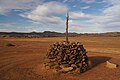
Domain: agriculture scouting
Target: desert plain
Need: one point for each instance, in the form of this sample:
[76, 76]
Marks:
[25, 60]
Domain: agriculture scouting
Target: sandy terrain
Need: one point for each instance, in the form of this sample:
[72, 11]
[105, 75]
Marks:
[25, 60]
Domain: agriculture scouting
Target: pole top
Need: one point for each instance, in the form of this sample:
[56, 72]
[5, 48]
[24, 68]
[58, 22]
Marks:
[68, 14]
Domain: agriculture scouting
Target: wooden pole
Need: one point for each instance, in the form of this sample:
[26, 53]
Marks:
[67, 18]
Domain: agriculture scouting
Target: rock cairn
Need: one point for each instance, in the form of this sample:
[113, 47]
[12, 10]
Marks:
[67, 57]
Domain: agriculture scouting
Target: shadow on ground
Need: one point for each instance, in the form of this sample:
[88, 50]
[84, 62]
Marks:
[96, 60]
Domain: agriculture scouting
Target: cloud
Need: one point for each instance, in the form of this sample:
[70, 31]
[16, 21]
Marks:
[78, 26]
[88, 1]
[47, 13]
[86, 7]
[3, 11]
[107, 20]
[64, 1]
[110, 14]
[13, 27]
[112, 2]
[49, 16]
[113, 10]
[8, 5]
[79, 15]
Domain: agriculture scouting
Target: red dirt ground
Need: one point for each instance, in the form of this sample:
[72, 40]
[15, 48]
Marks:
[25, 60]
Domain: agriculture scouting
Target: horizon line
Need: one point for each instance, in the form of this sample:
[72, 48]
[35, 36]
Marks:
[58, 32]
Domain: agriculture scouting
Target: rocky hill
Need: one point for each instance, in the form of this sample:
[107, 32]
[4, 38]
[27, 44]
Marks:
[54, 34]
[35, 34]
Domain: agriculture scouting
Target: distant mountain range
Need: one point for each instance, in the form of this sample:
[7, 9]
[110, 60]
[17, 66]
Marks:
[54, 34]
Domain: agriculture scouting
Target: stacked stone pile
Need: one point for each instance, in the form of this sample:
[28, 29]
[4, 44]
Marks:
[67, 57]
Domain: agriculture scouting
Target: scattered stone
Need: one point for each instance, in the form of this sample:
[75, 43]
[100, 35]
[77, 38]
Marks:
[110, 65]
[47, 67]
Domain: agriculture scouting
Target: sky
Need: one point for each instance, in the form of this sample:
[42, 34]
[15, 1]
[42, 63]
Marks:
[85, 16]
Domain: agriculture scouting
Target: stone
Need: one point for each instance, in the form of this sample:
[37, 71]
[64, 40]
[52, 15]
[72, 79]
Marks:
[77, 70]
[110, 65]
[64, 70]
[47, 67]
[73, 65]
[57, 67]
[64, 65]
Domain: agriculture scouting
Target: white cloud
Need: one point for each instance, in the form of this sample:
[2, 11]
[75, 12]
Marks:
[46, 13]
[68, 1]
[77, 26]
[8, 5]
[88, 1]
[112, 1]
[113, 10]
[51, 14]
[65, 1]
[13, 27]
[108, 20]
[109, 15]
[86, 7]
[79, 15]
[3, 11]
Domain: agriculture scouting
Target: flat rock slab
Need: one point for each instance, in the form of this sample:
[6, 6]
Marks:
[111, 65]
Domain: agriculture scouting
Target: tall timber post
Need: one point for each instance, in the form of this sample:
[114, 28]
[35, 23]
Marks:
[67, 18]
